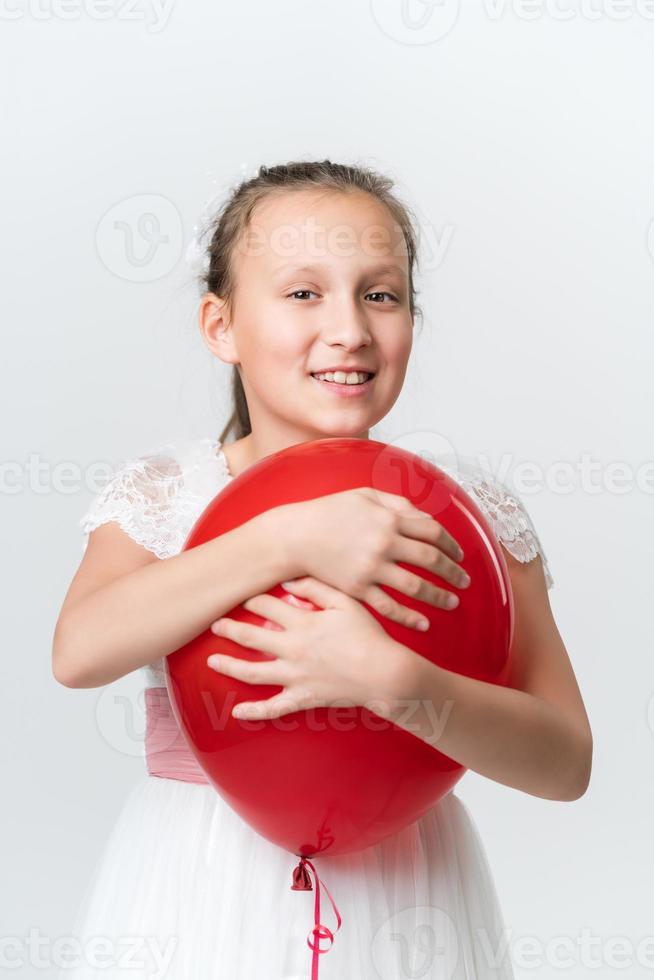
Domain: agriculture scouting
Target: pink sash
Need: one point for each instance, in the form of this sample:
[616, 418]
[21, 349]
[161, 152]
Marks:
[166, 751]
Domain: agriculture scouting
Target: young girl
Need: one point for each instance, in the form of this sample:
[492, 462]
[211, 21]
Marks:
[185, 889]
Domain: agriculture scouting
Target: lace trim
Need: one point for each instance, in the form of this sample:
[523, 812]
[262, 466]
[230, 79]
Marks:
[156, 498]
[504, 510]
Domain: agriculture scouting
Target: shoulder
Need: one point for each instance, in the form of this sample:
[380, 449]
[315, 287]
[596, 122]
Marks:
[140, 478]
[154, 495]
[504, 509]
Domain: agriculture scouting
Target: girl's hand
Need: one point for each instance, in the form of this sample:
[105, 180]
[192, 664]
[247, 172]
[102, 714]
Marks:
[353, 539]
[331, 655]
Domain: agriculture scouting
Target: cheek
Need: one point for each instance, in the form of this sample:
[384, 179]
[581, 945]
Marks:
[277, 362]
[271, 341]
[396, 344]
[282, 352]
[396, 351]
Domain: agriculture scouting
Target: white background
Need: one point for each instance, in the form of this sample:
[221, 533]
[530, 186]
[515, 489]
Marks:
[523, 138]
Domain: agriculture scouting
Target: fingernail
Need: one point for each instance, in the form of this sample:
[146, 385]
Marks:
[286, 585]
[422, 625]
[452, 601]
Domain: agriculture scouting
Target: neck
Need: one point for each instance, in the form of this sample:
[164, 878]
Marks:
[251, 448]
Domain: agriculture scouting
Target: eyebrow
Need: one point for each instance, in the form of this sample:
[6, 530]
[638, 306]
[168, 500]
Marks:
[382, 268]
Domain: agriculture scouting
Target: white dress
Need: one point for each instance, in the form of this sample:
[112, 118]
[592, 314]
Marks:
[185, 889]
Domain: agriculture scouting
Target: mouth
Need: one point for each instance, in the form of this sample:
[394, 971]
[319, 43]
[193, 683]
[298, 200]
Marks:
[345, 390]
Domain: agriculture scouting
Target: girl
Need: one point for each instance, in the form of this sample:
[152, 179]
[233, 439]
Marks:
[185, 888]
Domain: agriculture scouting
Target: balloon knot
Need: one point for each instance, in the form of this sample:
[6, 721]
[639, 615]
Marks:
[301, 878]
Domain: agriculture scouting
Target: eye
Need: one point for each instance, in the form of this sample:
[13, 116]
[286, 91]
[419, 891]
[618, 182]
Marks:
[297, 292]
[384, 294]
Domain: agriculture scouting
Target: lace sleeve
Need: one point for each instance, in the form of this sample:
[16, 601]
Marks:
[512, 524]
[506, 513]
[139, 497]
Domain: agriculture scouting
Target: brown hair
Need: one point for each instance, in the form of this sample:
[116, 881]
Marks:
[233, 218]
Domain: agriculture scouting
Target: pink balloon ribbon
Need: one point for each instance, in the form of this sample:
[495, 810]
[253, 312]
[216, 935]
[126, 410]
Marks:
[302, 883]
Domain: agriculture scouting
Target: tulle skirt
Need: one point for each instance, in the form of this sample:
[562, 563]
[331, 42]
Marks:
[184, 889]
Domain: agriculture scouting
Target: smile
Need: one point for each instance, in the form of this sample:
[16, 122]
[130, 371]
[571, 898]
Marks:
[345, 390]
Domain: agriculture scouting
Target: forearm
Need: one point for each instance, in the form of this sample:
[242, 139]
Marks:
[505, 734]
[151, 612]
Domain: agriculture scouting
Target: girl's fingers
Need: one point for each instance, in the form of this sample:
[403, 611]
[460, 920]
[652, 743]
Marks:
[275, 707]
[394, 501]
[385, 605]
[320, 593]
[417, 587]
[250, 672]
[434, 533]
[428, 556]
[430, 530]
[273, 608]
[248, 635]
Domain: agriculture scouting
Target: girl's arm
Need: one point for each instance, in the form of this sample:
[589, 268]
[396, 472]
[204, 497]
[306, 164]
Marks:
[126, 608]
[534, 735]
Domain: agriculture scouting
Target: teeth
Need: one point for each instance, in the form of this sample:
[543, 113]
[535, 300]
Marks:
[341, 378]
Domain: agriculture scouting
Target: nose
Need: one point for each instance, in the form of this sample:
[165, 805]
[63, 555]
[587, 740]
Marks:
[348, 326]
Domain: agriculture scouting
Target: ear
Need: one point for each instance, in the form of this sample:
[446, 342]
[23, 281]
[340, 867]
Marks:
[216, 328]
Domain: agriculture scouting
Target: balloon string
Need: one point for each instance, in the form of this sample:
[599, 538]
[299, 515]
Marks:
[302, 882]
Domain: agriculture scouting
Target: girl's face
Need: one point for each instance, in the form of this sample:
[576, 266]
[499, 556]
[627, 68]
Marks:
[321, 281]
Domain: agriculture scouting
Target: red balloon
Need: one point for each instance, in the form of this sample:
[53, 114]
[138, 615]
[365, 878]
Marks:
[335, 779]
